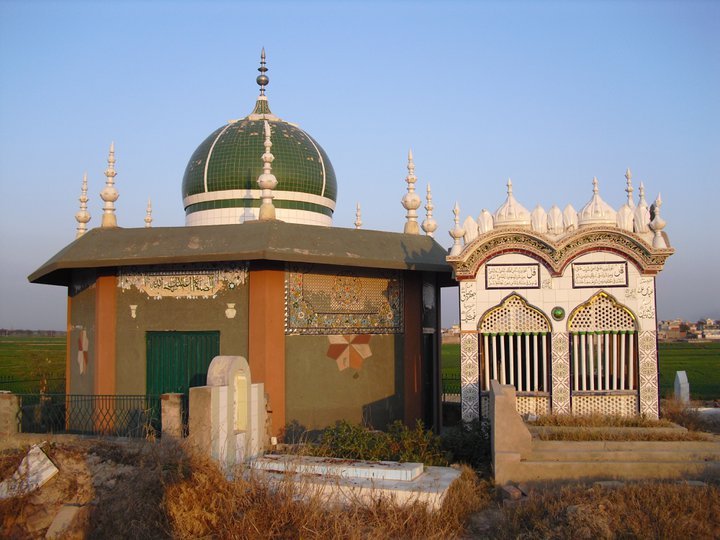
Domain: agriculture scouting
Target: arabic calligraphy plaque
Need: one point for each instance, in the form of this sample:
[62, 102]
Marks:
[512, 276]
[612, 274]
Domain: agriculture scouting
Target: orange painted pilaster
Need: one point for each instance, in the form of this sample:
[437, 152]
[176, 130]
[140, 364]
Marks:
[105, 335]
[412, 359]
[266, 338]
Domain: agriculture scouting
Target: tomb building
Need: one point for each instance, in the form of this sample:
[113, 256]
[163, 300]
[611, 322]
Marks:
[336, 323]
[560, 304]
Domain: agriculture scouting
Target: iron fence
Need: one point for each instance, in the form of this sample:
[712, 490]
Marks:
[112, 415]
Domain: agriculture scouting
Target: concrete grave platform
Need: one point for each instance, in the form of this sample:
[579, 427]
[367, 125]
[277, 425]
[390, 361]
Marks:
[344, 481]
[344, 468]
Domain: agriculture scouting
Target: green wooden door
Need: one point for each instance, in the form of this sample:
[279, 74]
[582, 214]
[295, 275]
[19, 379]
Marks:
[177, 361]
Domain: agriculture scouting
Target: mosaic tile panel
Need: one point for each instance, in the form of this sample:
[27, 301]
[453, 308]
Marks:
[469, 375]
[648, 372]
[329, 303]
[560, 373]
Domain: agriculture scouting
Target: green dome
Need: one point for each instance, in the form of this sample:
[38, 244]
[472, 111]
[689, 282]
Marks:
[220, 181]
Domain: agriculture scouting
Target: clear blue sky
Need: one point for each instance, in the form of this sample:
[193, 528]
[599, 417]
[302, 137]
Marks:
[548, 93]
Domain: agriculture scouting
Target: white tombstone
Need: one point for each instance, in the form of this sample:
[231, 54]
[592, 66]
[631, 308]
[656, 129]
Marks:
[228, 417]
[682, 387]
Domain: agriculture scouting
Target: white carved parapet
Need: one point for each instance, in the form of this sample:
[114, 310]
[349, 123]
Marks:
[471, 230]
[485, 222]
[539, 220]
[555, 221]
[570, 218]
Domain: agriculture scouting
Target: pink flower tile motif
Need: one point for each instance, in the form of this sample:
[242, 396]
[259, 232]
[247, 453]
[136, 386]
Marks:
[349, 350]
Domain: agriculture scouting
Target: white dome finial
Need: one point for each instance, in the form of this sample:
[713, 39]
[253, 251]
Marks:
[109, 194]
[83, 216]
[657, 225]
[411, 201]
[597, 211]
[429, 225]
[267, 180]
[512, 213]
[457, 232]
[358, 218]
[148, 215]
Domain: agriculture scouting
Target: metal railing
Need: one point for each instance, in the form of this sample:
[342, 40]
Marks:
[112, 415]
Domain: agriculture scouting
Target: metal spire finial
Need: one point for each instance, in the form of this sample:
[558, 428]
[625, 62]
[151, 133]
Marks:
[267, 180]
[109, 194]
[358, 218]
[148, 214]
[83, 216]
[262, 79]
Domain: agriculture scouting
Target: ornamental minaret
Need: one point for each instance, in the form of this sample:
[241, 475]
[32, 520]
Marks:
[83, 216]
[457, 232]
[358, 218]
[148, 215]
[109, 194]
[411, 201]
[429, 225]
[629, 189]
[267, 180]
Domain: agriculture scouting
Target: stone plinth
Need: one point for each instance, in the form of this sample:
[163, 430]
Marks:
[171, 414]
[9, 409]
[682, 387]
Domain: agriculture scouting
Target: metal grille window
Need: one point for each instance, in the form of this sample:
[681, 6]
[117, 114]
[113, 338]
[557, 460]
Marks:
[515, 346]
[603, 346]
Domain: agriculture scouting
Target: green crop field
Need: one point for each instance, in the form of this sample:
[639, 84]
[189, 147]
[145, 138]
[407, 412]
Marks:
[25, 360]
[701, 361]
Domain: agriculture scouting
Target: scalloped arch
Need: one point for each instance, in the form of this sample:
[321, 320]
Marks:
[556, 256]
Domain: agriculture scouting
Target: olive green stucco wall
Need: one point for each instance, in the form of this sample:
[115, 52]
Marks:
[174, 314]
[318, 393]
[82, 317]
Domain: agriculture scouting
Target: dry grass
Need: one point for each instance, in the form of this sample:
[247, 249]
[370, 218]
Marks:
[675, 411]
[581, 434]
[642, 510]
[599, 420]
[186, 496]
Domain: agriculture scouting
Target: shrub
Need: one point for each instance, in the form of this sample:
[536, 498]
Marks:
[399, 443]
[469, 442]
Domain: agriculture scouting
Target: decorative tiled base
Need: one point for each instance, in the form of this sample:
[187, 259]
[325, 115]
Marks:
[622, 405]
